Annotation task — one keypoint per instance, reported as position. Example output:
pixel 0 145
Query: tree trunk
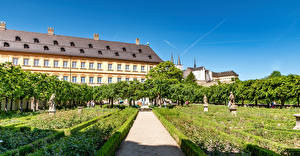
pixel 21 105
pixel 298 100
pixel 130 104
pixel 111 102
pixel 282 102
pixel 6 101
pixel 11 103
pixel 34 105
pixel 243 102
pixel 27 105
pixel 256 102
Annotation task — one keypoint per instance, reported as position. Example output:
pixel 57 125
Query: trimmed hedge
pixel 256 150
pixel 23 150
pixel 186 145
pixel 78 127
pixel 113 143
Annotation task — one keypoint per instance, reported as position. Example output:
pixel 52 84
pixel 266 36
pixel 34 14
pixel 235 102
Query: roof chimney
pixel 137 41
pixel 96 36
pixel 50 31
pixel 2 25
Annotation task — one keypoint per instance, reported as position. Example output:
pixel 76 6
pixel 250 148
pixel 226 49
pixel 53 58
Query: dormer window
pixel 81 51
pixel 55 42
pixel 18 38
pixel 140 50
pixel 5 44
pixel 124 49
pixel 100 52
pixel 90 46
pixel 62 49
pixel 150 57
pixel 116 54
pixel 26 46
pixel 133 55
pixel 72 44
pixel 46 48
pixel 35 40
pixel 107 47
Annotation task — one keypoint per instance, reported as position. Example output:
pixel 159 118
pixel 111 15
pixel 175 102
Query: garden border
pixel 186 145
pixel 112 144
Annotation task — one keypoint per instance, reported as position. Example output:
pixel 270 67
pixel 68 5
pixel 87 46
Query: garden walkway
pixel 148 137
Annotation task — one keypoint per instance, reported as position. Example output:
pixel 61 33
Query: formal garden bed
pixel 217 131
pixel 86 131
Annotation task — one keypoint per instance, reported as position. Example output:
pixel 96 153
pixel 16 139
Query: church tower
pixel 179 65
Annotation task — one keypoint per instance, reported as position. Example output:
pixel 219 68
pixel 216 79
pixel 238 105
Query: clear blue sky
pixel 251 37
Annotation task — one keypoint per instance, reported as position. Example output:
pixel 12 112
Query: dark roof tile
pixel 81 43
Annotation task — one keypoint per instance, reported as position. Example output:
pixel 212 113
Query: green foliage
pixel 90 139
pixel 190 78
pixel 265 131
pixel 165 70
pixel 187 146
pixel 274 74
pixel 112 144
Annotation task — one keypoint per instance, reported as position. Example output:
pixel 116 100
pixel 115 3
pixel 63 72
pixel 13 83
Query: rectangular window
pixel 25 61
pixel 127 67
pixel 65 78
pixel 110 80
pixel 91 65
pixel 99 66
pixel 91 80
pixel 15 61
pixel 119 66
pixel 142 80
pixel 109 66
pixel 74 64
pixel 142 68
pixel 46 63
pixel 82 65
pixel 74 79
pixel 134 79
pixel 36 62
pixel 65 64
pixel 99 80
pixel 119 79
pixel 134 68
pixel 55 63
pixel 151 67
pixel 82 79
pixel 127 79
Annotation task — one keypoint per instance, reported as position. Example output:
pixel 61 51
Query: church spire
pixel 178 63
pixel 195 63
pixel 172 58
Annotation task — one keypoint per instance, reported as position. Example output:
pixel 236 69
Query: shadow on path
pixel 136 149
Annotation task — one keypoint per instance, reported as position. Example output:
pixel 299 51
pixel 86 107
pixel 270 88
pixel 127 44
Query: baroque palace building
pixel 74 59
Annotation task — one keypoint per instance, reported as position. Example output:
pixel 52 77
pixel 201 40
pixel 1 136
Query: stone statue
pixel 51 103
pixel 232 107
pixel 205 106
pixel 231 97
pixel 205 100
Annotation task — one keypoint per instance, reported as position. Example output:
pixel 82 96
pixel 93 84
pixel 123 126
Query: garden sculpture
pixel 51 103
pixel 205 104
pixel 297 127
pixel 232 107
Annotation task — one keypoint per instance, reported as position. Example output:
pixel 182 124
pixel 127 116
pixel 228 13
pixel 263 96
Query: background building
pixel 206 77
pixel 74 59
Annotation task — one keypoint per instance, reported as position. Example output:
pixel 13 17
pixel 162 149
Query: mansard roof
pixel 31 42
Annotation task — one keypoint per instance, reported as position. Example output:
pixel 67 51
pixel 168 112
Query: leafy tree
pixel 191 79
pixel 274 74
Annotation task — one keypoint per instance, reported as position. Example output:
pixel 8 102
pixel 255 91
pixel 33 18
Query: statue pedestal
pixel 297 127
pixel 51 112
pixel 205 107
pixel 80 109
pixel 233 109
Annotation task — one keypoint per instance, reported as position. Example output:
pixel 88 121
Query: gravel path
pixel 148 137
